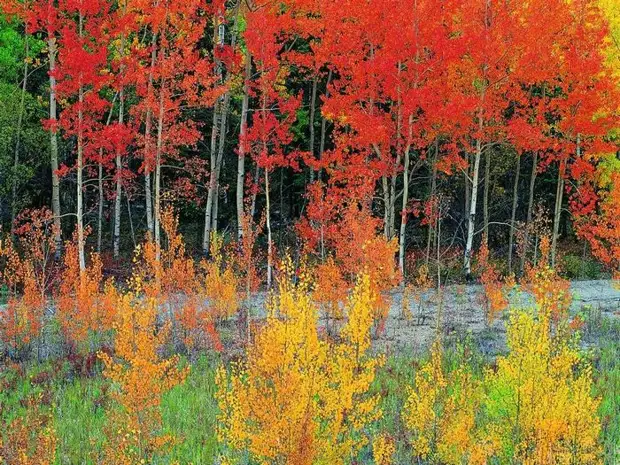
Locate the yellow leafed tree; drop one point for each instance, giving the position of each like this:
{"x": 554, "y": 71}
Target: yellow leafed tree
{"x": 440, "y": 415}
{"x": 539, "y": 400}
{"x": 299, "y": 399}
{"x": 140, "y": 378}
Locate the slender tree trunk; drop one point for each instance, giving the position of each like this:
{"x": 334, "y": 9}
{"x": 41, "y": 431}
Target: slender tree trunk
{"x": 530, "y": 207}
{"x": 80, "y": 170}
{"x": 254, "y": 194}
{"x": 80, "y": 185}
{"x": 468, "y": 172}
{"x": 557, "y": 212}
{"x": 485, "y": 200}
{"x": 403, "y": 219}
{"x": 216, "y": 205}
{"x": 158, "y": 154}
{"x": 220, "y": 158}
{"x": 51, "y": 50}
{"x": 386, "y": 207}
{"x": 513, "y": 215}
{"x": 133, "y": 235}
{"x": 119, "y": 193}
{"x": 393, "y": 202}
{"x": 324, "y": 123}
{"x": 399, "y": 156}
{"x": 471, "y": 220}
{"x": 559, "y": 197}
{"x": 429, "y": 237}
{"x": 312, "y": 113}
{"x": 18, "y": 135}
{"x": 269, "y": 238}
{"x": 147, "y": 142}
{"x": 100, "y": 202}
{"x": 206, "y": 236}
{"x": 150, "y": 224}
{"x": 242, "y": 144}
{"x": 119, "y": 164}
{"x": 219, "y": 122}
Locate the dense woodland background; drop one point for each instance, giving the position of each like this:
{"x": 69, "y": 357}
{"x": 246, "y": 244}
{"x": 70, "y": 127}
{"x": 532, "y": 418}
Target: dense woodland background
{"x": 495, "y": 119}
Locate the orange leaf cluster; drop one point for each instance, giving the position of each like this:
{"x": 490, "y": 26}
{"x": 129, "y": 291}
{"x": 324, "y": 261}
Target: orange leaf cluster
{"x": 83, "y": 308}
{"x": 28, "y": 276}
{"x": 140, "y": 377}
{"x": 551, "y": 292}
{"x": 495, "y": 287}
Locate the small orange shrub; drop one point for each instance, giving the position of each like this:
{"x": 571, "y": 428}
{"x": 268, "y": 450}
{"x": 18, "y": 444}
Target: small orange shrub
{"x": 21, "y": 321}
{"x": 495, "y": 287}
{"x": 331, "y": 288}
{"x": 82, "y": 309}
{"x": 28, "y": 277}
{"x": 220, "y": 283}
{"x": 551, "y": 292}
{"x": 140, "y": 377}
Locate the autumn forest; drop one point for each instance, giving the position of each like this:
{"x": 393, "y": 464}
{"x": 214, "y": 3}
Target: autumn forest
{"x": 297, "y": 232}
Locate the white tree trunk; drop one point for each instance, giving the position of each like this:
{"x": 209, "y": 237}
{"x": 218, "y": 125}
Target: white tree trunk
{"x": 403, "y": 221}
{"x": 80, "y": 172}
{"x": 485, "y": 200}
{"x": 206, "y": 235}
{"x": 147, "y": 143}
{"x": 158, "y": 154}
{"x": 513, "y": 215}
{"x": 269, "y": 238}
{"x": 119, "y": 174}
{"x": 119, "y": 164}
{"x": 51, "y": 51}
{"x": 242, "y": 145}
{"x": 471, "y": 220}
{"x": 100, "y": 202}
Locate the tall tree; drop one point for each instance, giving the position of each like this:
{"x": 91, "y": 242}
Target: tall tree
{"x": 82, "y": 58}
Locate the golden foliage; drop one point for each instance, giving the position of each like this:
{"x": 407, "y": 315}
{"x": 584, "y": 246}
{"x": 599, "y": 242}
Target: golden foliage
{"x": 440, "y": 415}
{"x": 540, "y": 399}
{"x": 140, "y": 377}
{"x": 28, "y": 277}
{"x": 220, "y": 283}
{"x": 383, "y": 450}
{"x": 298, "y": 399}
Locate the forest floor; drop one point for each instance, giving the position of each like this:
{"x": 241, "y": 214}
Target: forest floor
{"x": 461, "y": 309}
{"x": 463, "y": 314}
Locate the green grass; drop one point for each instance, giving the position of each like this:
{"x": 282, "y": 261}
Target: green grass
{"x": 606, "y": 360}
{"x": 189, "y": 413}
{"x": 78, "y": 406}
